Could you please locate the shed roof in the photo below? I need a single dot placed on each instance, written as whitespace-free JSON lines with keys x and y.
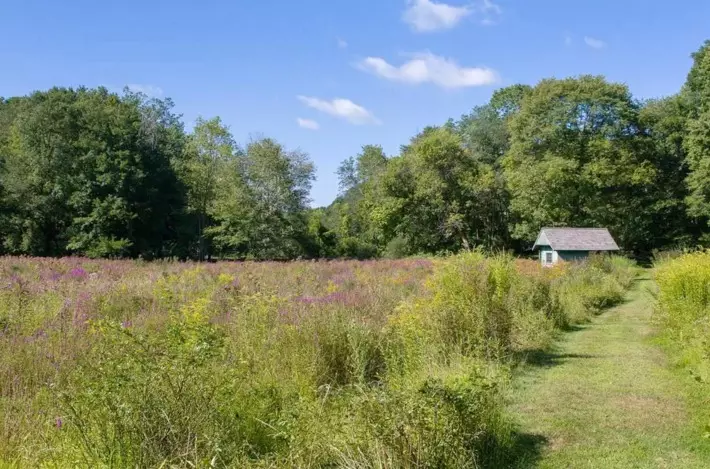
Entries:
{"x":576,"y":239}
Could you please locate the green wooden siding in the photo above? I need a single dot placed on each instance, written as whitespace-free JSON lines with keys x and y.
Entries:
{"x":570,"y":256}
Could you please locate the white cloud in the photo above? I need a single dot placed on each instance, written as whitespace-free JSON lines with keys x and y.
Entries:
{"x":568,"y":40}
{"x":427,"y":15}
{"x":308,"y":124}
{"x":148,"y":90}
{"x":342,"y":43}
{"x":429,"y":68}
{"x":490,"y":12}
{"x":342,"y":108}
{"x":487,"y":6}
{"x":594,"y":43}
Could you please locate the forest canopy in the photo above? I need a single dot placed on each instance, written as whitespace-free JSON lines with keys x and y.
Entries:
{"x":95,"y":173}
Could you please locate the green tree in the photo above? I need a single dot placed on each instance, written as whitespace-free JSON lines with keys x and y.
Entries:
{"x":697,"y":142}
{"x":665,"y":121}
{"x":579,"y":157}
{"x":348,"y":218}
{"x":83,"y":173}
{"x":437,"y":196}
{"x":261,"y":212}
{"x":208,"y":153}
{"x":38,"y":173}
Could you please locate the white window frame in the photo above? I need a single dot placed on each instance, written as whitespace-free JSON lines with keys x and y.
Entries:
{"x":548,"y":258}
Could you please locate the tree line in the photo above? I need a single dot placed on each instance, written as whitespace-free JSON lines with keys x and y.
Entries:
{"x":90,"y":172}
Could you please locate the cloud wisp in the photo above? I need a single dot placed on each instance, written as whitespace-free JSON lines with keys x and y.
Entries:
{"x":426,"y":67}
{"x":148,"y":90}
{"x":341,"y":108}
{"x":307,"y":124}
{"x":594,"y":43}
{"x":425,"y":16}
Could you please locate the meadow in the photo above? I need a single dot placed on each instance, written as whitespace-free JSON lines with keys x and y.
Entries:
{"x":683,"y":313}
{"x":359,"y":364}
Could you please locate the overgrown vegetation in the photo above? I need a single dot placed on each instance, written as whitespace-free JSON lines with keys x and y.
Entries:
{"x":683,"y":309}
{"x":305,"y":364}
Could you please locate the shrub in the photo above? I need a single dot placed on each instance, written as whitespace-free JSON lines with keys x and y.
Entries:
{"x":586,"y":288}
{"x":449,"y":420}
{"x":468,"y":304}
{"x":536,"y":310}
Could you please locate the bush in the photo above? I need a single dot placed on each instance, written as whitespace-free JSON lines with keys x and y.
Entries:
{"x":586,"y":288}
{"x":348,"y":352}
{"x":468,"y":304}
{"x":449,"y":420}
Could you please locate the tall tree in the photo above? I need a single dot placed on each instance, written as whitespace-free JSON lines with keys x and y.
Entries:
{"x":578,"y":158}
{"x":697,"y":143}
{"x":347,"y":219}
{"x":82,"y":175}
{"x":437,"y":196}
{"x":209,"y":151}
{"x":38,"y":173}
{"x":261,"y":213}
{"x":664,"y":121}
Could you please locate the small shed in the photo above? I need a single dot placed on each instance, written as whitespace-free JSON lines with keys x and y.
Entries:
{"x":572,"y":244}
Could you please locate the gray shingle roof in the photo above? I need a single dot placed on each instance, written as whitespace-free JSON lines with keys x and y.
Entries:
{"x":576,"y":239}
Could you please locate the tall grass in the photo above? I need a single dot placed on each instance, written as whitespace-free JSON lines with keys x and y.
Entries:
{"x":683,"y":311}
{"x":377,"y":364}
{"x":683,"y":308}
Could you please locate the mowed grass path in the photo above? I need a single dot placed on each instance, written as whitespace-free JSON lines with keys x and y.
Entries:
{"x":606,"y":397}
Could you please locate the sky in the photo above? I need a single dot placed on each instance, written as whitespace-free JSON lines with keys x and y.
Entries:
{"x":329,"y":76}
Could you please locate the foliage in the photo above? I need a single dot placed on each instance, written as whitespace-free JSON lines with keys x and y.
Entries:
{"x":260,"y":209}
{"x":202,"y":168}
{"x":79,"y":168}
{"x":90,"y":172}
{"x":577,"y":158}
{"x":436,"y":197}
{"x":574,"y":152}
{"x":697,"y":141}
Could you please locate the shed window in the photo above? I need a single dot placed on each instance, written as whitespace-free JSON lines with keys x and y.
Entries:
{"x":548,"y":258}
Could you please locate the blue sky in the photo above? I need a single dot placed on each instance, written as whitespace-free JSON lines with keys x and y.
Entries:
{"x":361,"y":71}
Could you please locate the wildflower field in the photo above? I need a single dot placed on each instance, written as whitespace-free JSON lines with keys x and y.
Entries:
{"x":361,"y":364}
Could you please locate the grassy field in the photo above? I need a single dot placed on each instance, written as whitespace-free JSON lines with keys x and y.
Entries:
{"x":607,"y":396}
{"x":378,"y":364}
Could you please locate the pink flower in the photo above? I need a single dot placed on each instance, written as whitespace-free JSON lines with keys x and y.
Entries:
{"x":77,"y":273}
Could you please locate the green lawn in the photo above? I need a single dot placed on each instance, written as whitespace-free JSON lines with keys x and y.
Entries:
{"x":607,"y":397}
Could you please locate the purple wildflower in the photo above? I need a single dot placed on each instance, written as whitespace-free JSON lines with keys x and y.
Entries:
{"x":58,"y":422}
{"x":77,"y":273}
